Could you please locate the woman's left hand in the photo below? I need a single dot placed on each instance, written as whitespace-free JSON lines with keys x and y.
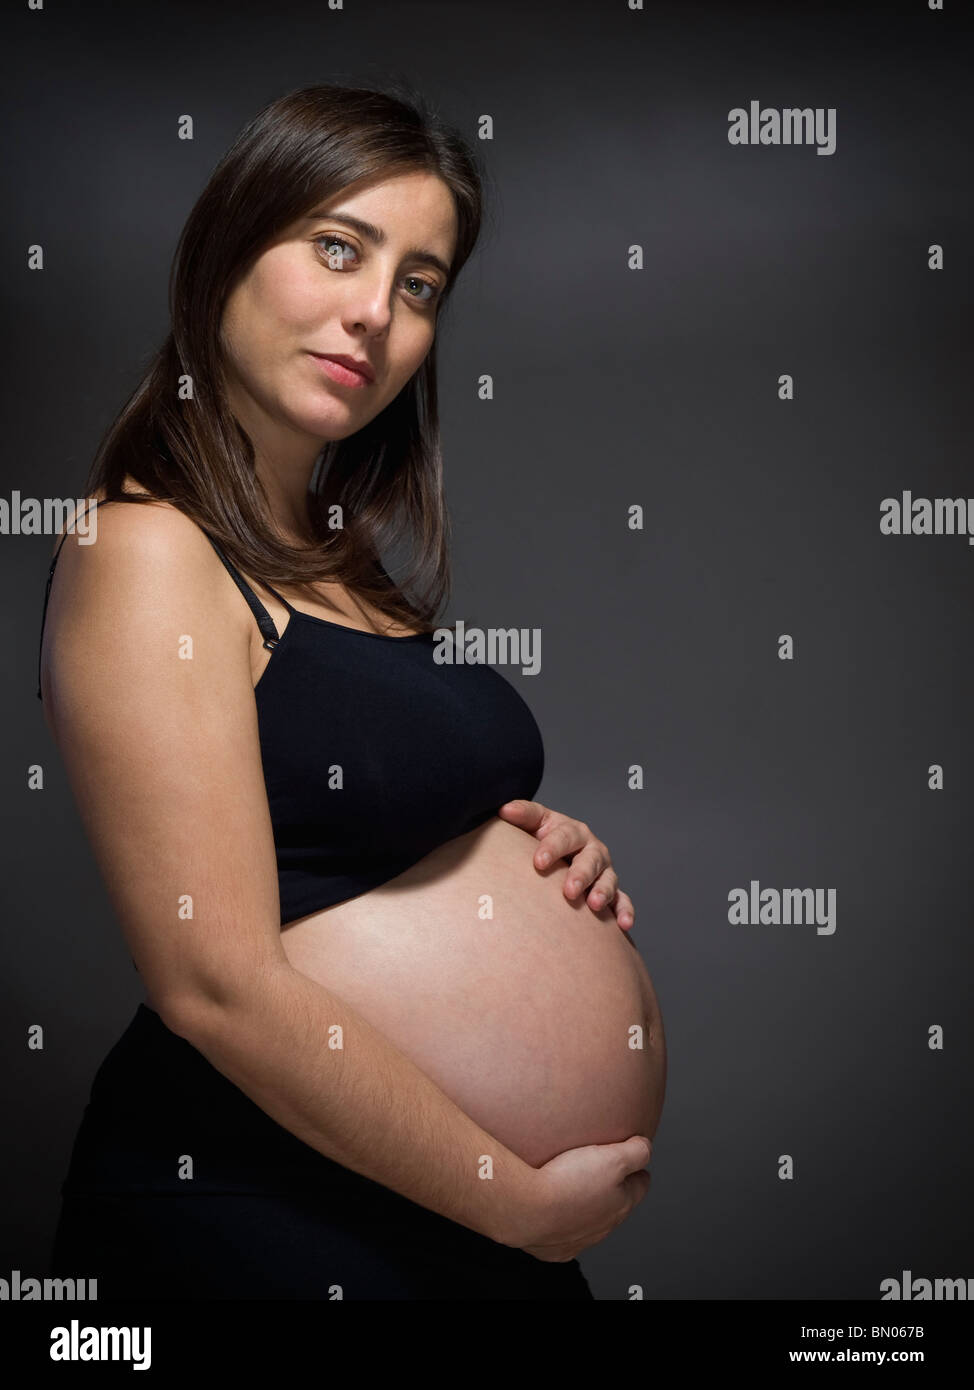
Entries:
{"x":592,"y":867}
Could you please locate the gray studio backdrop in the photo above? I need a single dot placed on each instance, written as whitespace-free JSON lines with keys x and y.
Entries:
{"x":662,"y":387}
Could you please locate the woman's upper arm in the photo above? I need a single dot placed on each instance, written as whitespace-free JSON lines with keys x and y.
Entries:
{"x":150,"y":698}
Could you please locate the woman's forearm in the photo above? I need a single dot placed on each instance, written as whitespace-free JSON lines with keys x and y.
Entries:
{"x":364,"y":1103}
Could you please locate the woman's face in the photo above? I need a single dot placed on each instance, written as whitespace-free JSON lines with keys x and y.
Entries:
{"x":331,"y":285}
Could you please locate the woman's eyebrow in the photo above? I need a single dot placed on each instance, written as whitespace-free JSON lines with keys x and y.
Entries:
{"x":377,"y":236}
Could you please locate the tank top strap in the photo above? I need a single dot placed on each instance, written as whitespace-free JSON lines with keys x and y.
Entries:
{"x":265,"y":622}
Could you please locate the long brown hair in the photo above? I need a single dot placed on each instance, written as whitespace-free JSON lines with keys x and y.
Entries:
{"x":186,"y":447}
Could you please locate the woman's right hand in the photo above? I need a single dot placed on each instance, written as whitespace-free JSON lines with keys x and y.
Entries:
{"x":579,"y":1196}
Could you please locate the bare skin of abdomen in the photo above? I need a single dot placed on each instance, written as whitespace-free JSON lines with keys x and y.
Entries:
{"x":533,"y":1013}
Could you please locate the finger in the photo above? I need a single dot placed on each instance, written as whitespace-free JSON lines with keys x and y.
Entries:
{"x":527,"y":814}
{"x":540,"y":821}
{"x":634,"y":1153}
{"x":562,"y":839}
{"x":603,"y":890}
{"x":587,"y":866}
{"x":624,"y":910}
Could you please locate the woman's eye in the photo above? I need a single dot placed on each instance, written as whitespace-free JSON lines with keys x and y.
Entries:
{"x":423,"y":284}
{"x":336,"y":251}
{"x":335,"y":258}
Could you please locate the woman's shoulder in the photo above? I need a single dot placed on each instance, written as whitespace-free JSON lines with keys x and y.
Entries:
{"x":123,"y":521}
{"x":131,"y":540}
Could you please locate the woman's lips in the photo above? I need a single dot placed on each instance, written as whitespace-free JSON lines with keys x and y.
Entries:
{"x":337,"y":371}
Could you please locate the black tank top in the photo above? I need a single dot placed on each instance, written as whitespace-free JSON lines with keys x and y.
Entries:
{"x":373,"y":752}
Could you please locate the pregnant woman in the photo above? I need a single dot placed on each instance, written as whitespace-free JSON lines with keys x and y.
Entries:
{"x":386,"y":1051}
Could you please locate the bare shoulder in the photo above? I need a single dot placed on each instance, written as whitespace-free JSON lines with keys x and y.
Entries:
{"x":84,"y":523}
{"x":82,"y":517}
{"x":143,"y":546}
{"x":142,"y":579}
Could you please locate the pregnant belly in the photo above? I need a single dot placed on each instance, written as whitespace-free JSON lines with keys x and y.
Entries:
{"x":534,"y":1014}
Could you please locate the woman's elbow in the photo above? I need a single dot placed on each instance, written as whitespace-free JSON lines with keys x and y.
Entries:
{"x":194,"y":1010}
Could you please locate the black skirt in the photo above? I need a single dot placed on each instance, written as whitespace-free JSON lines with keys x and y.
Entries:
{"x":263,"y":1215}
